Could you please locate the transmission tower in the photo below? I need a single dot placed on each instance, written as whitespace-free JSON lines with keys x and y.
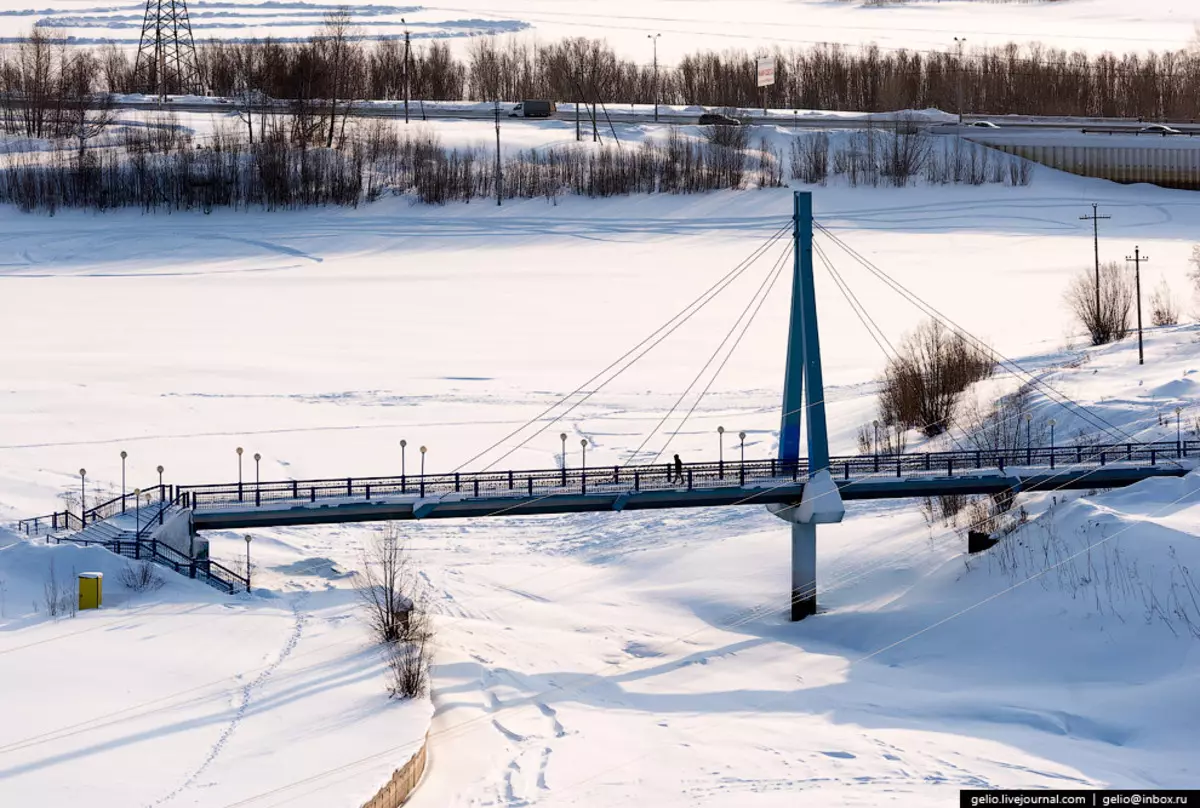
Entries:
{"x":166,"y":59}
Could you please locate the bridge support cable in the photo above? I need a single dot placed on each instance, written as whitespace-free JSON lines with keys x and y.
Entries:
{"x":860,"y":311}
{"x":1095,"y":420}
{"x":743,"y":321}
{"x":651,"y":340}
{"x":869,"y":323}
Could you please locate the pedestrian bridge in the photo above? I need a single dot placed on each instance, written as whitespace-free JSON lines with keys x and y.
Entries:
{"x":463,"y":495}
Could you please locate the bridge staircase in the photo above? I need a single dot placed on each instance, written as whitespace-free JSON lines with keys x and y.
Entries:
{"x":131,"y":526}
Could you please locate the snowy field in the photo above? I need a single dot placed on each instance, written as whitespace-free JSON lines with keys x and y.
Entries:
{"x":586,"y":660}
{"x":685,"y":25}
{"x":185,"y":696}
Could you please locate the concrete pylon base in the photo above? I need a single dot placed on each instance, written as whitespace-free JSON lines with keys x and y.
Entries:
{"x":804,"y":570}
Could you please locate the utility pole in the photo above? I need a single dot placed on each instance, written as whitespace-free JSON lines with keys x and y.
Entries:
{"x":499,"y":178}
{"x":960,"y":41}
{"x":1137,"y":260}
{"x":654,"y":38}
{"x":406,"y":82}
{"x":1095,"y":219}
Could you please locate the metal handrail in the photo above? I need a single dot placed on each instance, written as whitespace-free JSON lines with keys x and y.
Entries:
{"x":122,"y":502}
{"x":48,"y":523}
{"x":665,"y":476}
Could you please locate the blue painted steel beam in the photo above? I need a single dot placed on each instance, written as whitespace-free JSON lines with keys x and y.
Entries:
{"x":793,"y":373}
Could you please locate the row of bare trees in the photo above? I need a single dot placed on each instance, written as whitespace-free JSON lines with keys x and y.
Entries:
{"x":160,"y":167}
{"x":897,"y":154}
{"x":51,"y":90}
{"x":338,"y":64}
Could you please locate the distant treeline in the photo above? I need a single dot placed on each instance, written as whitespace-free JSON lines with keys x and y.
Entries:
{"x":335,"y":64}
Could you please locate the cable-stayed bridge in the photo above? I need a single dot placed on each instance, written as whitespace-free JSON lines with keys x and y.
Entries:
{"x":804,"y":489}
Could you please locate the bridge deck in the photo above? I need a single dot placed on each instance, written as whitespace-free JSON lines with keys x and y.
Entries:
{"x":760,"y":482}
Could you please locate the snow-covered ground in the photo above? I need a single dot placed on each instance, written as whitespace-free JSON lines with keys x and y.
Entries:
{"x":185,"y":696}
{"x":585,"y":660}
{"x":685,"y":25}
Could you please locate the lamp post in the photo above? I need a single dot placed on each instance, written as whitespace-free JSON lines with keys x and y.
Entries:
{"x":403,"y":444}
{"x":1028,"y":440}
{"x":721,"y":452}
{"x":562,"y":436}
{"x":257,"y":458}
{"x":124,"y":455}
{"x":423,"y":450}
{"x":137,"y":512}
{"x":1052,"y":423}
{"x":654,"y":39}
{"x":248,"y":537}
{"x":239,"y":454}
{"x":742,"y":438}
{"x":875,"y":445}
{"x":1178,"y":432}
{"x":83,"y":496}
{"x":162,"y":494}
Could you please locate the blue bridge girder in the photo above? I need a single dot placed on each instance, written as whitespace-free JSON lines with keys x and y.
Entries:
{"x":701,"y":485}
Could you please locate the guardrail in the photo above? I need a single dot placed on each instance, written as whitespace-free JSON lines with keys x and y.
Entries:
{"x":661,"y":477}
{"x":211,"y":572}
{"x":128,"y":501}
{"x":49,"y":523}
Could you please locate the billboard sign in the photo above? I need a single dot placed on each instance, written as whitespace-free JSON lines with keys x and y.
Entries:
{"x":766,"y":71}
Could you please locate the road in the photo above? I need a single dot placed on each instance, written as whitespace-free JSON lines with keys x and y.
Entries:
{"x":418,"y":111}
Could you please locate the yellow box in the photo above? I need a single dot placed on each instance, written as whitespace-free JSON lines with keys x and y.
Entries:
{"x":91,"y":586}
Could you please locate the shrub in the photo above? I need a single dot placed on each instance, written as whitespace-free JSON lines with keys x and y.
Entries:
{"x":143,"y":576}
{"x":1163,"y":308}
{"x":1110,"y":321}
{"x":922,"y":383}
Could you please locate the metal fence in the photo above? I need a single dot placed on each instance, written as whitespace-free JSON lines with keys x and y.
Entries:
{"x":204,"y":569}
{"x":663,"y":477}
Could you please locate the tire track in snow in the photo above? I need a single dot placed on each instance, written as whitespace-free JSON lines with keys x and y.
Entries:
{"x":247,"y":696}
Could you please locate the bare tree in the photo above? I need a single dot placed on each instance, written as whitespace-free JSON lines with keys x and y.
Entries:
{"x":396,"y":608}
{"x":408,"y":660}
{"x":810,"y":158}
{"x":86,"y":114}
{"x":334,"y":41}
{"x":1163,"y":308}
{"x":143,"y":576}
{"x":1111,"y":321}
{"x":922,"y":383}
{"x":1007,"y":426}
{"x":385,"y":587}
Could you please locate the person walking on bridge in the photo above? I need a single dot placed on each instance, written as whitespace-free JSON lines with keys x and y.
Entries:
{"x":678,"y":477}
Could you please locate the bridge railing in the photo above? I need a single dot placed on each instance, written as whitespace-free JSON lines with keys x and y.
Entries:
{"x":950,"y":464}
{"x":664,"y":476}
{"x":126,"y":502}
{"x":492,"y":484}
{"x":49,"y":523}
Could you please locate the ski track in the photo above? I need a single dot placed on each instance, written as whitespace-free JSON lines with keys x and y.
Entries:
{"x":246,"y":698}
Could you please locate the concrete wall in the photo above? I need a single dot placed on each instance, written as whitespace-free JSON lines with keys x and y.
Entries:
{"x":1172,"y":162}
{"x":176,"y":532}
{"x":397,"y":790}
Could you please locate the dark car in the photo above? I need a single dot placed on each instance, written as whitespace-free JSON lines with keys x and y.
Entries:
{"x":717,"y":119}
